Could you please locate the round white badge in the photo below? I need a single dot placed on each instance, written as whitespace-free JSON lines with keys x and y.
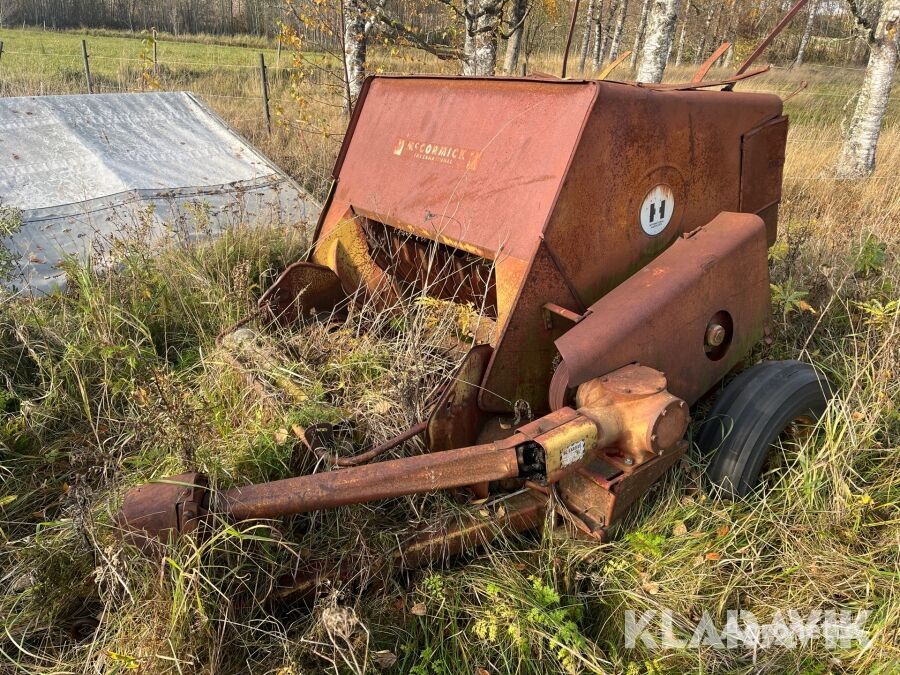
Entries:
{"x":657,"y":209}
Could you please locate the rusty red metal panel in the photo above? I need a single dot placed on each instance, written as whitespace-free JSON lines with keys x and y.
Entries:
{"x":522,"y":363}
{"x":303,"y":287}
{"x":660,"y":315}
{"x":547,"y":180}
{"x":474,"y":160}
{"x":635,"y":141}
{"x":456,"y":419}
{"x":762,"y":166}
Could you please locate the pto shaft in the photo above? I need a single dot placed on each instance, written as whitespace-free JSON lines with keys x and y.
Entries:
{"x":357,"y":485}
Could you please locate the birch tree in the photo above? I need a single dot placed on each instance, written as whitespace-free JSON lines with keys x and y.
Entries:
{"x":807,"y":32}
{"x":482,"y":21}
{"x":618,"y":32}
{"x":701,"y":47}
{"x":586,"y":35}
{"x":517,"y":14}
{"x":596,"y":54}
{"x":680,"y":51}
{"x":857,"y":156}
{"x":660,"y":31}
{"x":357,"y":26}
{"x":639,"y":34}
{"x":612,"y":10}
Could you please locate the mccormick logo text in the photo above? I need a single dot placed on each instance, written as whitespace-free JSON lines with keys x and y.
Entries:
{"x":434,"y":152}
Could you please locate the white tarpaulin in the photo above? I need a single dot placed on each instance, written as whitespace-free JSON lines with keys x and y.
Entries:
{"x":83,"y":168}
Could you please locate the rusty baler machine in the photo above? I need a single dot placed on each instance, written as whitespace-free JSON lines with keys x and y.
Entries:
{"x":616,"y":234}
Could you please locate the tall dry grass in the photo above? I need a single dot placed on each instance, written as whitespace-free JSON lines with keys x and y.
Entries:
{"x":119,"y":380}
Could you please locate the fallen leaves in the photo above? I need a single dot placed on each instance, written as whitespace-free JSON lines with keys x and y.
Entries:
{"x":649,"y":586}
{"x":384,"y":659}
{"x":804,"y":306}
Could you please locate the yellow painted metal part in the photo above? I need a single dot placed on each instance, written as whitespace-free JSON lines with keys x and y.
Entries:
{"x":568,"y":443}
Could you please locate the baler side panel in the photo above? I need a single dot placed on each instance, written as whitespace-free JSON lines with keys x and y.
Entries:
{"x":637,"y":139}
{"x":660,"y":315}
{"x":762,"y":167}
{"x":634,"y":139}
{"x":521,"y":366}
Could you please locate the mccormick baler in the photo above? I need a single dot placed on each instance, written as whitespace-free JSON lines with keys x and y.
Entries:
{"x":617,"y":236}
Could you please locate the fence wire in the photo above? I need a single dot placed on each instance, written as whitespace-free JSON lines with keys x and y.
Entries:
{"x":317,"y":75}
{"x":311,"y":75}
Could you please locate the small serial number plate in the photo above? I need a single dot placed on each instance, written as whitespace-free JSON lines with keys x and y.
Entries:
{"x":572,"y":454}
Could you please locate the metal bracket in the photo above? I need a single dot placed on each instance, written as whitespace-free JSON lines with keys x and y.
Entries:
{"x":551,"y":308}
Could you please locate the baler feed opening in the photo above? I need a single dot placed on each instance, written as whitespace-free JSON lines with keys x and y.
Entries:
{"x":437,"y":269}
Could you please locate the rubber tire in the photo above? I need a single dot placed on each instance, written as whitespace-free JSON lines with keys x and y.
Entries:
{"x":750,"y":415}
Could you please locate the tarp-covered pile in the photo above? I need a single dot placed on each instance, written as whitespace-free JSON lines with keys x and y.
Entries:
{"x":79,"y":169}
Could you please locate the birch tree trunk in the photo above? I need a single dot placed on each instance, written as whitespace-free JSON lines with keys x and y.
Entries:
{"x":639,"y":35}
{"x":607,"y":26}
{"x":680,"y":51}
{"x":596,"y":54}
{"x":586,"y":35}
{"x":807,"y":32}
{"x":469,"y":65}
{"x":514,"y":43}
{"x":729,"y":34}
{"x":354,"y":48}
{"x":660,"y":31}
{"x":857,"y":156}
{"x":488,"y":33}
{"x":617,"y":34}
{"x":480,"y":46}
{"x":701,"y":47}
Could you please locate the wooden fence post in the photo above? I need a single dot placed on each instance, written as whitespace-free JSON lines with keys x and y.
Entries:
{"x":155,"y":63}
{"x":87,"y":67}
{"x":265,"y":90}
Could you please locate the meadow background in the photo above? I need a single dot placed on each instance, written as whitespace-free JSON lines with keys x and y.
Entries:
{"x":119,"y":380}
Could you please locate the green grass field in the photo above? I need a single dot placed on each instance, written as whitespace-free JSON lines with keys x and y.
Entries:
{"x":47,"y":56}
{"x":119,"y":380}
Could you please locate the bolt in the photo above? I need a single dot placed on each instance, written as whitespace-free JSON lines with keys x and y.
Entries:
{"x":628,"y":461}
{"x":715,"y":334}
